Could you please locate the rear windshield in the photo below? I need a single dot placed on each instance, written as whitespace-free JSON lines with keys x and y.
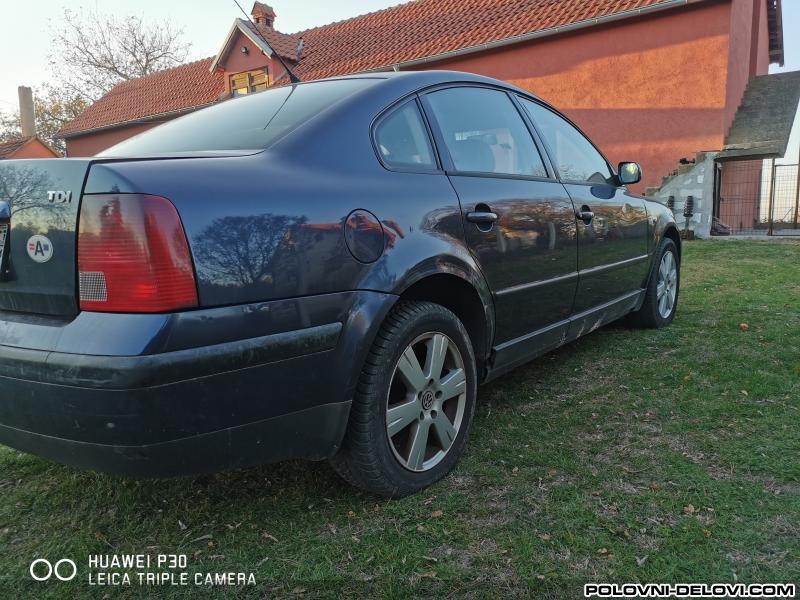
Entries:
{"x":247,"y":123}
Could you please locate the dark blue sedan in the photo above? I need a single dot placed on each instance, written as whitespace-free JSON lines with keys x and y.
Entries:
{"x":324,"y":271}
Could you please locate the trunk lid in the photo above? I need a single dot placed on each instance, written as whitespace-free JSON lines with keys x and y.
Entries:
{"x":37,"y":274}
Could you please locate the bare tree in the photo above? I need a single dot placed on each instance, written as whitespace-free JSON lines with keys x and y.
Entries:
{"x":9,"y":126}
{"x":239,"y":250}
{"x":94,"y":52}
{"x":53,"y":107}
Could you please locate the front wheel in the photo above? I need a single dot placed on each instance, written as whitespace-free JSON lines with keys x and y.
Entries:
{"x":661,"y":295}
{"x":414,"y":404}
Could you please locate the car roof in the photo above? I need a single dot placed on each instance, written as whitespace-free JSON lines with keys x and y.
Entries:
{"x":410,"y":81}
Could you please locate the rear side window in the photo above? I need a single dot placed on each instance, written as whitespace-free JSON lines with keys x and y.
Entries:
{"x":485,"y":133}
{"x":575,"y":157}
{"x":403,"y":141}
{"x":248,"y":123}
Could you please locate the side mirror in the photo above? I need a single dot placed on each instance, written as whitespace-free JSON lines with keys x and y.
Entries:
{"x":629,"y":173}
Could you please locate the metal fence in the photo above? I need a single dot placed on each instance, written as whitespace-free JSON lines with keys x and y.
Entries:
{"x":757,"y":197}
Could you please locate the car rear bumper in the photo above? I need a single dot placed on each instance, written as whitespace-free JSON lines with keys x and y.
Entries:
{"x":312,"y":433}
{"x":185,"y":407}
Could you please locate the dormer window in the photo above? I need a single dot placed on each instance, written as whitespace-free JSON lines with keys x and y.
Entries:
{"x":250,"y":82}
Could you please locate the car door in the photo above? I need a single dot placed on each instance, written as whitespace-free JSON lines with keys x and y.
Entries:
{"x":612,"y":223}
{"x":519,"y":221}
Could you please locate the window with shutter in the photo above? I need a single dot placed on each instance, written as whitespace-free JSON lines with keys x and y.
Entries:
{"x":250,"y":82}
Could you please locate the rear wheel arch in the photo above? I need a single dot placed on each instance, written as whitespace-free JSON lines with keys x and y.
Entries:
{"x":465,"y":301}
{"x":392,"y":432}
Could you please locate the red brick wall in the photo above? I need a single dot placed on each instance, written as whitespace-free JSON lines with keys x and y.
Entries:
{"x":749,"y":51}
{"x":762,"y":49}
{"x":652,"y":90}
{"x":33,"y":149}
{"x":237,"y":62}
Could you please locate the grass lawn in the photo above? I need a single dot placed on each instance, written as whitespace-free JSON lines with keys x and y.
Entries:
{"x":653,"y":456}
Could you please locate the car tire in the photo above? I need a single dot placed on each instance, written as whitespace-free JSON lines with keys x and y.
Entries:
{"x":663,"y":287}
{"x":401,"y":402}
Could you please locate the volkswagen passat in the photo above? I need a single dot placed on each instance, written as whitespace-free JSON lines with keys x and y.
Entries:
{"x":324,"y":271}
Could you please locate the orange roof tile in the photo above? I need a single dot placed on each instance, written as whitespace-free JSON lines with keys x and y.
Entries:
{"x":284,"y":44}
{"x":429,"y":27}
{"x":10,"y":148}
{"x":374,"y":41}
{"x":7,"y":149}
{"x":172,"y":90}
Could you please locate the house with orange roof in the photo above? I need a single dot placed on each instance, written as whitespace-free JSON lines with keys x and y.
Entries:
{"x":26,"y":147}
{"x":649,"y":80}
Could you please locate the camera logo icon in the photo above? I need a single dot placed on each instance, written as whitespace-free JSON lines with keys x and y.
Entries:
{"x":43,"y":570}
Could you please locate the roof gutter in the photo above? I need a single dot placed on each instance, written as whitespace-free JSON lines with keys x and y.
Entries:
{"x":544,"y":33}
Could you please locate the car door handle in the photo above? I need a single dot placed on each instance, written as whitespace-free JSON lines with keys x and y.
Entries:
{"x":585,"y":214}
{"x":482,"y":217}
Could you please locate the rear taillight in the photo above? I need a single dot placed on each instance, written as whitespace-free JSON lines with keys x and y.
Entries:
{"x":133,"y":255}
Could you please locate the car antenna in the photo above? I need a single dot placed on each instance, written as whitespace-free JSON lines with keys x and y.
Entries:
{"x":292,"y":77}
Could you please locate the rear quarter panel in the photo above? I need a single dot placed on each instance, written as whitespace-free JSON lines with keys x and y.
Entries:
{"x":271,"y":225}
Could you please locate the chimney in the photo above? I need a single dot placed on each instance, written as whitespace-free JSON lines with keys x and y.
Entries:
{"x":27,"y":121}
{"x":263,"y":15}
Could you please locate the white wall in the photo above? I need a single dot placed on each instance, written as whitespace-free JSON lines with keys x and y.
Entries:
{"x":793,"y":152}
{"x":786,"y":190}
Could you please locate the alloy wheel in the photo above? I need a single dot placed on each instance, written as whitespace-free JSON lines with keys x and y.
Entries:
{"x":667,"y":288}
{"x":426,"y":401}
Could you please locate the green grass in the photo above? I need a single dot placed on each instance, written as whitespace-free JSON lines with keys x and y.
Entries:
{"x":653,"y":456}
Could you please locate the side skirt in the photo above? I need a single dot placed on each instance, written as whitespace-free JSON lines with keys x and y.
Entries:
{"x":514,"y":353}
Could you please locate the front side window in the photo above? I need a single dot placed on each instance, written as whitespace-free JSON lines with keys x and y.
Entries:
{"x":249,"y":82}
{"x":484,"y":132}
{"x":402,"y":139}
{"x":575,"y":158}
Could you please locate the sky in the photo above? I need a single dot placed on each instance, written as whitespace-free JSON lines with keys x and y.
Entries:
{"x":25,"y":25}
{"x":791,"y":48}
{"x":791,"y":41}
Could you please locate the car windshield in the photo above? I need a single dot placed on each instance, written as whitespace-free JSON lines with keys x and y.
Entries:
{"x":248,"y":123}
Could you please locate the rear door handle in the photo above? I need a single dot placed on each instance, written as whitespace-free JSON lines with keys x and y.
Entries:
{"x":482,"y":217}
{"x":585,"y":214}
